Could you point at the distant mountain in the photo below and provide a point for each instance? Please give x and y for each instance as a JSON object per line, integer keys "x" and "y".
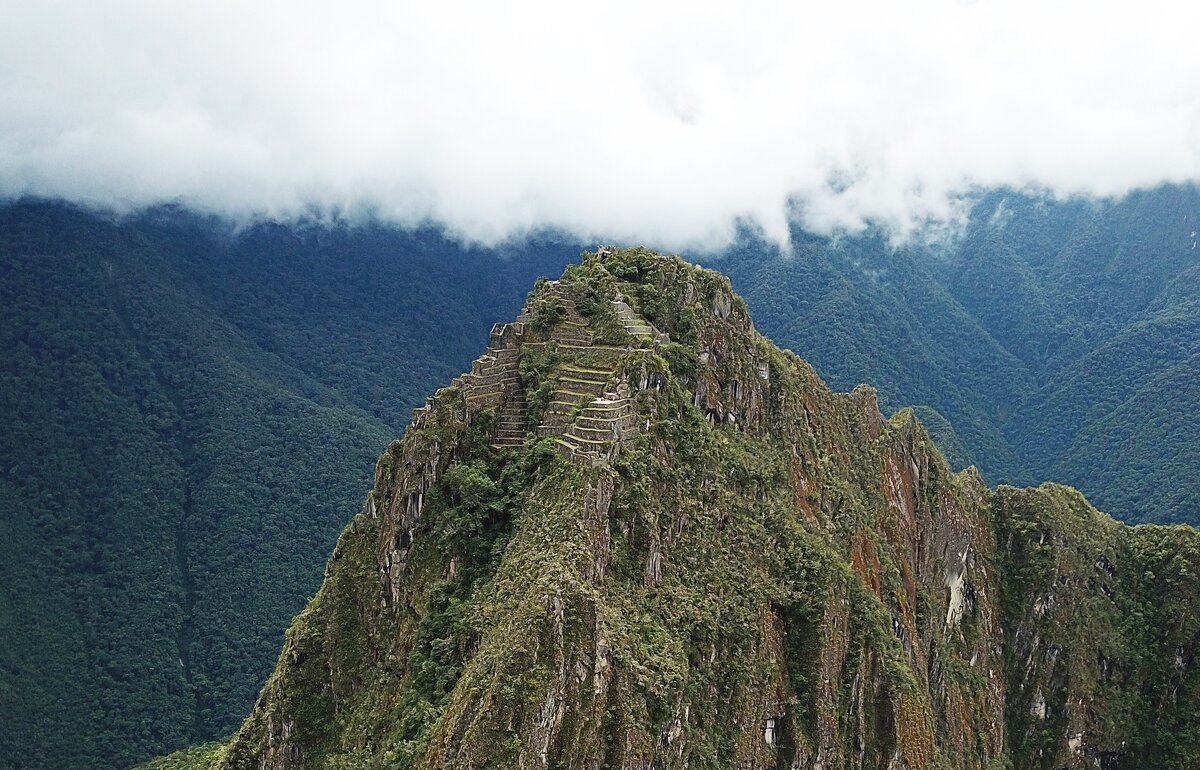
{"x": 1057, "y": 338}
{"x": 189, "y": 416}
{"x": 637, "y": 534}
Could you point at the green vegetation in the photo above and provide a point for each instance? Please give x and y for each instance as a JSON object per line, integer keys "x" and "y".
{"x": 190, "y": 414}
{"x": 1098, "y": 614}
{"x": 765, "y": 573}
{"x": 194, "y": 758}
{"x": 189, "y": 418}
{"x": 1060, "y": 339}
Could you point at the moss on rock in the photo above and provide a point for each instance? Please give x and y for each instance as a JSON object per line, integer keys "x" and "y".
{"x": 761, "y": 573}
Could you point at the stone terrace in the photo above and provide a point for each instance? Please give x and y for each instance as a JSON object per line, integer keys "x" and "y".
{"x": 590, "y": 414}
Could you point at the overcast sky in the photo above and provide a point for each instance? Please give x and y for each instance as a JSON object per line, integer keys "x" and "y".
{"x": 654, "y": 122}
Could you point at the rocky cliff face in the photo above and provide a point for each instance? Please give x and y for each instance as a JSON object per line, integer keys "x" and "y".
{"x": 639, "y": 535}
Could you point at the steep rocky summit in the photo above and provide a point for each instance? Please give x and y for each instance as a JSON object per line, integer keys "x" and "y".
{"x": 637, "y": 534}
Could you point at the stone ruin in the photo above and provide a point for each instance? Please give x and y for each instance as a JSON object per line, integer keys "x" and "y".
{"x": 590, "y": 414}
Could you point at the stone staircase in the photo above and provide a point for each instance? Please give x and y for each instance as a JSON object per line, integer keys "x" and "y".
{"x": 635, "y": 325}
{"x": 494, "y": 382}
{"x": 493, "y": 375}
{"x": 512, "y": 423}
{"x": 602, "y": 425}
{"x": 587, "y": 419}
{"x": 575, "y": 387}
{"x": 572, "y": 331}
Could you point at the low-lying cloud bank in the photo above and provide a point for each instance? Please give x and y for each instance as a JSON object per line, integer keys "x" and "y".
{"x": 664, "y": 123}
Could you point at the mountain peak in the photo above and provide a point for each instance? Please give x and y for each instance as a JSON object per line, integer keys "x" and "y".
{"x": 638, "y": 534}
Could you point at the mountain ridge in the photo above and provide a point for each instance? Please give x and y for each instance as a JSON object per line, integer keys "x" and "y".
{"x": 701, "y": 556}
{"x": 996, "y": 329}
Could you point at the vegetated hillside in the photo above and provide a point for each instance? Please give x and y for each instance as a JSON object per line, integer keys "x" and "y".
{"x": 1057, "y": 338}
{"x": 638, "y": 534}
{"x": 188, "y": 416}
{"x": 190, "y": 411}
{"x": 863, "y": 312}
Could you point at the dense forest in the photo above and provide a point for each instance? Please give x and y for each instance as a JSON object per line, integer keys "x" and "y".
{"x": 1051, "y": 340}
{"x": 190, "y": 416}
{"x": 191, "y": 411}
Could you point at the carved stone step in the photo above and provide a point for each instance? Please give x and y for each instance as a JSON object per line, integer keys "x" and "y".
{"x": 578, "y": 348}
{"x": 563, "y": 441}
{"x": 607, "y": 425}
{"x": 586, "y": 441}
{"x": 585, "y": 373}
{"x": 607, "y": 410}
{"x": 597, "y": 385}
{"x": 596, "y": 433}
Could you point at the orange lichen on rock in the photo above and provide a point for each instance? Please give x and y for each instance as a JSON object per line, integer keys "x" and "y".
{"x": 802, "y": 488}
{"x": 914, "y": 730}
{"x": 865, "y": 560}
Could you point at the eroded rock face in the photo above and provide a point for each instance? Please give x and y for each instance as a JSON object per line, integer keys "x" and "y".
{"x": 639, "y": 535}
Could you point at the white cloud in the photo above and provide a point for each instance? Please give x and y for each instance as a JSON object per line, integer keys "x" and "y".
{"x": 661, "y": 123}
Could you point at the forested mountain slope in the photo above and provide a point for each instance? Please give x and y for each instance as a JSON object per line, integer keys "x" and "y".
{"x": 1058, "y": 338}
{"x": 190, "y": 411}
{"x": 638, "y": 534}
{"x": 189, "y": 414}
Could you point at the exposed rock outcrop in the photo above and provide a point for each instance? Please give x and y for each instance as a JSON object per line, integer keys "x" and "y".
{"x": 639, "y": 535}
